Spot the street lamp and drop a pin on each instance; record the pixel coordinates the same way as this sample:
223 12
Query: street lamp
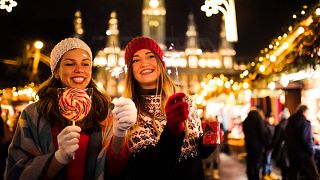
36 58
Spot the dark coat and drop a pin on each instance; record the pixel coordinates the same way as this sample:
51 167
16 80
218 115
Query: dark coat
299 138
256 137
256 132
280 154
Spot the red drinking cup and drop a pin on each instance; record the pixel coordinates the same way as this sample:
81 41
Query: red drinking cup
211 132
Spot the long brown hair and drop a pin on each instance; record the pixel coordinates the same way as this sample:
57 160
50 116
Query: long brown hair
133 90
48 104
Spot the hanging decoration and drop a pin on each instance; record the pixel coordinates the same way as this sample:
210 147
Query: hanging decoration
8 5
228 10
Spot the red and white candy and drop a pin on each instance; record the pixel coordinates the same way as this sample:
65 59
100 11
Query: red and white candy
74 104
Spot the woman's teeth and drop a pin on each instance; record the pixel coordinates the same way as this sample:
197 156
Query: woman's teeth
147 71
78 79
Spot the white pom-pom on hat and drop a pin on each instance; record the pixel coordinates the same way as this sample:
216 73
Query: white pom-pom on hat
64 46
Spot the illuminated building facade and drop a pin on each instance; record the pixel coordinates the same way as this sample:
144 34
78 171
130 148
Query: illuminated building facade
188 67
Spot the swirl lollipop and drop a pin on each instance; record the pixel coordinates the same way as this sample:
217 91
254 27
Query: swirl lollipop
74 104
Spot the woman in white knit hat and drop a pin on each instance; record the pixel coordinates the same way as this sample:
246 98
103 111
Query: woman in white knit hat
45 143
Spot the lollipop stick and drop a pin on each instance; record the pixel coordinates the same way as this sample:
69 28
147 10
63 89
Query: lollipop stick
186 129
73 124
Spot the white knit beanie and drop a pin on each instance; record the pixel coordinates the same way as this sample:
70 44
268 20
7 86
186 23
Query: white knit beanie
64 46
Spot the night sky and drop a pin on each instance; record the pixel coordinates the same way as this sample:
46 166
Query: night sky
258 21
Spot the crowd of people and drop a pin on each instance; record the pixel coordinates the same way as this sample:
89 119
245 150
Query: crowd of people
289 144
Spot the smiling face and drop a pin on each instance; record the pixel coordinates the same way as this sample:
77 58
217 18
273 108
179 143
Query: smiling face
75 69
145 68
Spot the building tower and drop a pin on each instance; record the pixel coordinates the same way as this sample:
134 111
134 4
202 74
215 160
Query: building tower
192 35
112 38
192 51
153 20
109 58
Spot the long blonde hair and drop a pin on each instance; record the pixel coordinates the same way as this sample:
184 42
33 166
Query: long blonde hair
165 88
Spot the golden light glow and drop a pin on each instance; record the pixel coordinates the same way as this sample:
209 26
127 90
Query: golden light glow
38 44
260 59
154 3
273 58
245 85
227 84
235 87
262 68
245 73
285 45
318 11
272 85
300 30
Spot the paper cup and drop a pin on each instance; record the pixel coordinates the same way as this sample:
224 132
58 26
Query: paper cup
211 132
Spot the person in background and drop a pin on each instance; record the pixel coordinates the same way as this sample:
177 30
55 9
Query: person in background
3 156
256 139
45 143
300 145
166 141
280 154
267 173
4 143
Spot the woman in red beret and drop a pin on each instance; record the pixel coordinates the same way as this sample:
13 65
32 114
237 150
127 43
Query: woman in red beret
166 141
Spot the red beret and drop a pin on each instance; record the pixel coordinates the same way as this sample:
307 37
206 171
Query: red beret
139 43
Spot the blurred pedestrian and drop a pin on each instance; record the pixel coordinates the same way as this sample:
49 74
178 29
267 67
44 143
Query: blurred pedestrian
5 139
267 173
256 139
280 153
166 141
45 143
299 139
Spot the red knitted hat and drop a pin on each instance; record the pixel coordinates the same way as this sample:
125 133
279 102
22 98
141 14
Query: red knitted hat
139 43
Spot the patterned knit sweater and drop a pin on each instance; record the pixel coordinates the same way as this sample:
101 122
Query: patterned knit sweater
163 154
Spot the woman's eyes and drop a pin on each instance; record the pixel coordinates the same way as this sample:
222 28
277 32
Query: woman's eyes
73 64
148 57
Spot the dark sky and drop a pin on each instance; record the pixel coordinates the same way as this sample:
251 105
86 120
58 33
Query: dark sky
258 21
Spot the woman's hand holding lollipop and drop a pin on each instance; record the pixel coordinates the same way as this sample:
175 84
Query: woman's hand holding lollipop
74 105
